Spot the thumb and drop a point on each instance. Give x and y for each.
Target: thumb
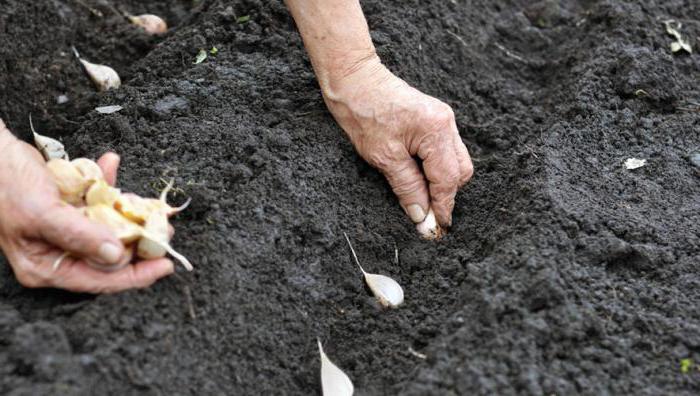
(409, 185)
(66, 228)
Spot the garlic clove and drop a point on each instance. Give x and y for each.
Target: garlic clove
(48, 147)
(89, 169)
(152, 24)
(101, 193)
(104, 77)
(157, 227)
(125, 230)
(334, 382)
(387, 291)
(429, 228)
(71, 183)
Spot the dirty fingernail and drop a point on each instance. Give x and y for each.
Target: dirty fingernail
(415, 212)
(110, 253)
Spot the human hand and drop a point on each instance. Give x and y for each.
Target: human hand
(36, 228)
(390, 123)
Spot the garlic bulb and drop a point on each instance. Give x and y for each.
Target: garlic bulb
(152, 24)
(429, 228)
(387, 291)
(334, 382)
(104, 77)
(48, 147)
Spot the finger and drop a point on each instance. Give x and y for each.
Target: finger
(109, 162)
(442, 170)
(406, 180)
(80, 277)
(466, 169)
(66, 228)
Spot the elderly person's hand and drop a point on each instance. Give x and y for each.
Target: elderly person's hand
(36, 228)
(390, 124)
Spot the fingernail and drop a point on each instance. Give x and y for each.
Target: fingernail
(415, 212)
(110, 253)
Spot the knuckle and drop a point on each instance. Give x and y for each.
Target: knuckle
(406, 186)
(468, 172)
(441, 115)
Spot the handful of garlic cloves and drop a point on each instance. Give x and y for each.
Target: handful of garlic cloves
(140, 223)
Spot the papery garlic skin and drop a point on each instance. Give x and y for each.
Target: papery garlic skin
(152, 24)
(334, 382)
(429, 228)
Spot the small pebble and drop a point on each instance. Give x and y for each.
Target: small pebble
(61, 99)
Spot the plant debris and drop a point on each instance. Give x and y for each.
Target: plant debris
(673, 28)
(201, 57)
(634, 163)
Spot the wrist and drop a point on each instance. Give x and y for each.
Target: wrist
(346, 76)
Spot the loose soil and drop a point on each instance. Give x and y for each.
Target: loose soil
(564, 273)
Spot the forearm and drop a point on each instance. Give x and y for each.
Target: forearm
(336, 37)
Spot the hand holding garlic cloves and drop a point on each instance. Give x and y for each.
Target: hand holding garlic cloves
(36, 228)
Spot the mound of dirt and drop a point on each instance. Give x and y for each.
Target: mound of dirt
(564, 272)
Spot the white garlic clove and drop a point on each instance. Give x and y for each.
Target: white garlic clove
(387, 291)
(152, 24)
(157, 227)
(429, 228)
(89, 169)
(334, 382)
(104, 77)
(48, 147)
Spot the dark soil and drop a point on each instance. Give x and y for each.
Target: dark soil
(564, 272)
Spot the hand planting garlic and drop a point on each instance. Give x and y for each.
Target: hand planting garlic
(334, 382)
(151, 24)
(104, 77)
(141, 224)
(48, 147)
(429, 228)
(387, 291)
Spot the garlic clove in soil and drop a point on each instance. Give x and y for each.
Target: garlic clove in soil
(104, 77)
(387, 291)
(334, 382)
(48, 147)
(429, 228)
(151, 24)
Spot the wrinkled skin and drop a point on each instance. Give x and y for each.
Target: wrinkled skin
(390, 123)
(36, 228)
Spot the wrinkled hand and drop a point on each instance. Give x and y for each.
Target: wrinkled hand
(390, 124)
(36, 228)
